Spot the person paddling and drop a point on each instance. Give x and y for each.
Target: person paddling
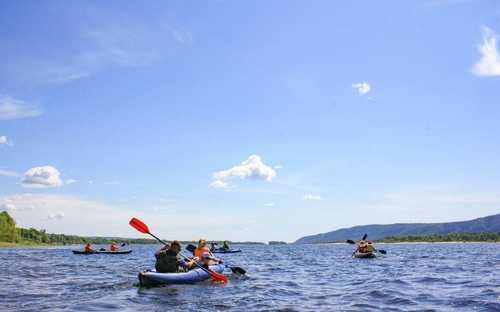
(168, 259)
(88, 248)
(369, 247)
(362, 246)
(202, 248)
(225, 246)
(213, 246)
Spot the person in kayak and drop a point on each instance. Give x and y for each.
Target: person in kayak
(362, 246)
(207, 259)
(168, 259)
(225, 246)
(88, 248)
(369, 247)
(213, 246)
(202, 247)
(114, 246)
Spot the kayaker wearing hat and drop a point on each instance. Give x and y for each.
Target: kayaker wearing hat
(168, 259)
(202, 248)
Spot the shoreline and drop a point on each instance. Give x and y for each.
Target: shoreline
(34, 246)
(407, 243)
(21, 245)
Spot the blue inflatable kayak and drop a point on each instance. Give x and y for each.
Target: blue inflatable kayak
(222, 250)
(151, 278)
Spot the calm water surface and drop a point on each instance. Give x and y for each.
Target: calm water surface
(440, 277)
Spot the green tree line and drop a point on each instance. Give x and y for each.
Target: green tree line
(452, 237)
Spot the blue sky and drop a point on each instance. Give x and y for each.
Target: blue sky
(248, 120)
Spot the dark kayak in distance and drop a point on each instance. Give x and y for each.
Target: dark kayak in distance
(152, 278)
(222, 250)
(366, 255)
(104, 252)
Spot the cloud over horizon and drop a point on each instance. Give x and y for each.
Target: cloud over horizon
(93, 218)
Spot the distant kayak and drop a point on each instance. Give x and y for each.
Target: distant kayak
(152, 278)
(364, 255)
(222, 250)
(105, 252)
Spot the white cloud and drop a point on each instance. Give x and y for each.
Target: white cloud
(278, 167)
(252, 168)
(70, 181)
(6, 206)
(93, 218)
(3, 140)
(7, 173)
(219, 184)
(271, 204)
(56, 216)
(311, 197)
(489, 64)
(362, 87)
(42, 177)
(11, 108)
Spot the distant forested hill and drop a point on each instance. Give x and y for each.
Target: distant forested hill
(490, 224)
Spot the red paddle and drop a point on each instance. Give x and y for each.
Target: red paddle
(143, 228)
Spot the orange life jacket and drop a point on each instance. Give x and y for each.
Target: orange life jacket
(113, 247)
(200, 251)
(88, 248)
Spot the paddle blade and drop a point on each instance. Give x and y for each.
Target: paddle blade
(364, 237)
(139, 225)
(191, 248)
(238, 270)
(382, 251)
(350, 241)
(218, 277)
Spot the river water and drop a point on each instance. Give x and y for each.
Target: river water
(414, 277)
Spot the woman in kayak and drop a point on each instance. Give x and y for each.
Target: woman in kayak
(202, 248)
(88, 248)
(168, 259)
